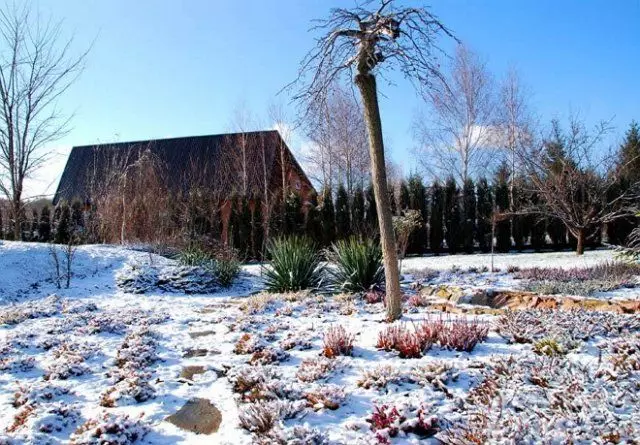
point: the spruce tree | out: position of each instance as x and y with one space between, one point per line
403 197
328 218
557 233
63 225
357 212
293 216
343 222
275 219
44 225
25 226
77 216
1 225
436 230
418 201
257 230
469 216
484 210
503 229
34 225
371 213
518 222
313 222
452 215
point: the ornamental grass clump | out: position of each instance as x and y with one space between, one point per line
295 265
358 265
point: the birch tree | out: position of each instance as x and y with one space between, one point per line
361 42
36 69
458 137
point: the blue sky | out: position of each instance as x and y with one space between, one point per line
161 68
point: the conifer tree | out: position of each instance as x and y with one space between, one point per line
469 215
403 197
452 215
518 222
1 225
371 212
34 225
343 222
501 196
275 221
357 212
63 225
313 222
244 244
25 226
77 216
557 233
44 225
418 201
328 218
257 230
484 209
293 216
233 227
392 200
436 230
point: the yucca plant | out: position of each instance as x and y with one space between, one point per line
358 265
295 265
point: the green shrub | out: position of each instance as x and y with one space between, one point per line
548 346
358 265
225 270
295 265
194 255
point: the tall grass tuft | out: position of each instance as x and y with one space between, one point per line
295 265
358 265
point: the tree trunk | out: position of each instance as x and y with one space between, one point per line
580 236
367 85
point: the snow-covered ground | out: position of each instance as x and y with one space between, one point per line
94 351
504 261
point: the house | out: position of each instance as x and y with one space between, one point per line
252 164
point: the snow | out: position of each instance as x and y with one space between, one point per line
96 342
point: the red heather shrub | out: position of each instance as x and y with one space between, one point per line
462 334
617 271
426 425
429 330
417 300
408 342
337 341
386 418
374 296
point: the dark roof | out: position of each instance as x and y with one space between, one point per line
215 158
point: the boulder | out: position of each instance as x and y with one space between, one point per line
198 416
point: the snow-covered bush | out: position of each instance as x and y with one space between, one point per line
548 346
131 387
248 344
268 355
298 435
379 377
325 396
462 334
261 383
435 374
296 340
47 307
407 341
388 421
20 363
142 278
66 365
137 351
258 417
36 392
337 341
57 417
110 429
317 368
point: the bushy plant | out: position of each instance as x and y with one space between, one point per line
358 265
194 255
295 265
337 341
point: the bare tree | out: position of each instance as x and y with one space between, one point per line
458 139
339 151
36 68
575 180
360 42
515 123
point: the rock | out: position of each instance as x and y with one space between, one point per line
201 334
190 353
189 371
198 416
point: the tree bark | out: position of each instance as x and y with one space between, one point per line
367 85
580 236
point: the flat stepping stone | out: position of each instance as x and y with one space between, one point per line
189 371
190 353
198 416
199 334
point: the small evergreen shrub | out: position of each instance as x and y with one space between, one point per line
295 265
337 341
358 265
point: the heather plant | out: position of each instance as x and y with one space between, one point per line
548 346
379 377
110 428
337 341
295 265
316 368
358 265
